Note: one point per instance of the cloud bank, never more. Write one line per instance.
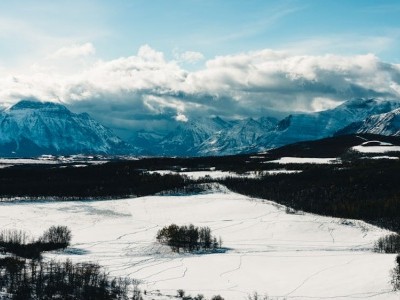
(147, 90)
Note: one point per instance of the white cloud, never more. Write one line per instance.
(73, 51)
(181, 118)
(322, 103)
(147, 86)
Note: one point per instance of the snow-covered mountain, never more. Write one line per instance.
(215, 136)
(383, 124)
(32, 128)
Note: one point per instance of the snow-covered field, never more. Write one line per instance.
(297, 256)
(304, 160)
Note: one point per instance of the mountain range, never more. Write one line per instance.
(215, 136)
(31, 128)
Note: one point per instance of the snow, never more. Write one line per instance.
(82, 161)
(384, 157)
(196, 175)
(304, 160)
(376, 149)
(22, 161)
(297, 256)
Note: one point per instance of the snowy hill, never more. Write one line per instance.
(32, 128)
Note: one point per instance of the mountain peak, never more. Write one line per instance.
(37, 105)
(32, 128)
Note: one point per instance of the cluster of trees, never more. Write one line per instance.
(388, 244)
(20, 244)
(188, 238)
(34, 280)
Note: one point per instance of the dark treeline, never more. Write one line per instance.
(116, 179)
(362, 189)
(119, 178)
(38, 280)
(19, 243)
(188, 238)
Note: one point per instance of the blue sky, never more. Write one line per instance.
(212, 27)
(173, 60)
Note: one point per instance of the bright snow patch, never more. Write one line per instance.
(296, 256)
(383, 157)
(195, 175)
(304, 160)
(376, 149)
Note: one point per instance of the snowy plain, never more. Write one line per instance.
(291, 256)
(304, 160)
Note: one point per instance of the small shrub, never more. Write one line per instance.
(188, 238)
(180, 293)
(57, 236)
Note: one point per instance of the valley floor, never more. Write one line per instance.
(296, 256)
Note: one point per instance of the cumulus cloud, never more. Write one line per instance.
(147, 88)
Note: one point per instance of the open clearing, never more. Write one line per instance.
(297, 256)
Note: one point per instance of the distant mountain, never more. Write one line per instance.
(383, 124)
(188, 136)
(240, 137)
(215, 136)
(31, 128)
